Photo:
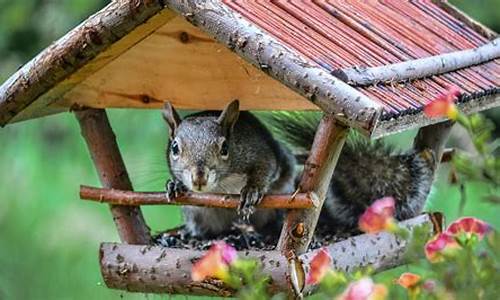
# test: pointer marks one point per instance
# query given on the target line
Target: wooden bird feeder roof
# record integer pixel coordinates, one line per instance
(373, 65)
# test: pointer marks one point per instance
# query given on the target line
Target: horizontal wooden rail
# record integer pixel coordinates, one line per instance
(121, 197)
(155, 269)
(423, 67)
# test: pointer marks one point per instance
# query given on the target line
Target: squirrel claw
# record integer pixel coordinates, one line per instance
(250, 197)
(174, 188)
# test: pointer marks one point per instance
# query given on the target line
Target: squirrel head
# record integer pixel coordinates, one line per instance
(200, 148)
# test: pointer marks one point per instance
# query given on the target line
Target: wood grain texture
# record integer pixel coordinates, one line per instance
(181, 64)
(82, 51)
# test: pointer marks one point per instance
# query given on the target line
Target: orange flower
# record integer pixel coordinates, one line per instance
(443, 105)
(320, 265)
(408, 280)
(469, 226)
(379, 216)
(364, 289)
(442, 244)
(215, 262)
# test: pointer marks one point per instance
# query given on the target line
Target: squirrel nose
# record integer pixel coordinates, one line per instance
(199, 178)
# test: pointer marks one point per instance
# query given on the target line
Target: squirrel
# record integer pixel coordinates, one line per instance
(366, 171)
(229, 152)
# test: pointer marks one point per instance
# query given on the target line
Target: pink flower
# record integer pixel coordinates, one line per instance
(215, 262)
(379, 216)
(364, 289)
(408, 280)
(320, 264)
(442, 244)
(469, 226)
(443, 105)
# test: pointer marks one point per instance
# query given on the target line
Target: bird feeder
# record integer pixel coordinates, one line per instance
(371, 66)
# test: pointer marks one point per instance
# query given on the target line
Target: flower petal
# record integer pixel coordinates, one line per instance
(214, 263)
(443, 105)
(408, 280)
(319, 266)
(441, 244)
(378, 216)
(228, 253)
(364, 289)
(469, 226)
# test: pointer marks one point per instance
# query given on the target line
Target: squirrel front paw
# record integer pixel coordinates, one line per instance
(174, 188)
(250, 197)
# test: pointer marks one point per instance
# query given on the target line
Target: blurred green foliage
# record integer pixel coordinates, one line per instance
(48, 237)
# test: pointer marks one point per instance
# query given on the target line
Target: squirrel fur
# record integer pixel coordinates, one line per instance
(366, 171)
(228, 152)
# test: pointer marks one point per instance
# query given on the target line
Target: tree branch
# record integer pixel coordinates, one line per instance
(130, 198)
(299, 226)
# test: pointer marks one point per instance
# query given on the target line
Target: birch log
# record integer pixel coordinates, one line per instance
(423, 67)
(154, 269)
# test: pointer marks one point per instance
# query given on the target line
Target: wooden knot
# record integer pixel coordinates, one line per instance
(298, 231)
(184, 37)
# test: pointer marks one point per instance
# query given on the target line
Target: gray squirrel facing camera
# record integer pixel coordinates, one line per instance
(227, 152)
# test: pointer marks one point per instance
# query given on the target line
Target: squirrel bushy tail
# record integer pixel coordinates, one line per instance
(366, 171)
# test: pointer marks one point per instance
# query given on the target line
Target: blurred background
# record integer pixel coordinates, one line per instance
(48, 237)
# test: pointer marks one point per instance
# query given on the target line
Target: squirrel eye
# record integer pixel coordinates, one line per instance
(174, 148)
(224, 151)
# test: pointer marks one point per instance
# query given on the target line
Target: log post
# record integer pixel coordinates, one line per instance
(433, 137)
(299, 225)
(101, 141)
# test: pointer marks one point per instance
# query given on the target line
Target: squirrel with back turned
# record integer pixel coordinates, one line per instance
(366, 171)
(228, 152)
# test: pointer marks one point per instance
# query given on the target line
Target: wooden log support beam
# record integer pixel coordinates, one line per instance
(155, 269)
(101, 141)
(423, 67)
(299, 225)
(121, 197)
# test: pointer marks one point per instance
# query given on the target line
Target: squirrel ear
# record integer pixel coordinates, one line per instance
(229, 116)
(171, 117)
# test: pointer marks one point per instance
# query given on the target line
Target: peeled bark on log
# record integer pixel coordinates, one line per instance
(130, 198)
(423, 67)
(154, 269)
(101, 141)
(259, 48)
(299, 226)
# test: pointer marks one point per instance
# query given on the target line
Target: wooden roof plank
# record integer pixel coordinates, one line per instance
(265, 52)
